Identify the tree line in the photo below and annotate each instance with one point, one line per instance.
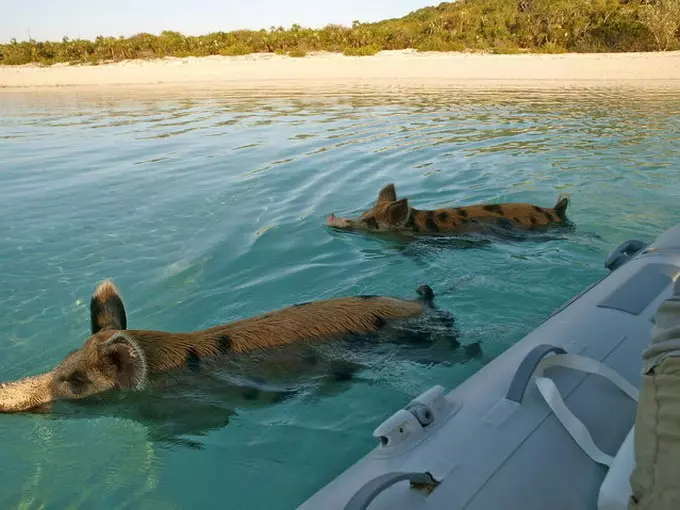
(498, 26)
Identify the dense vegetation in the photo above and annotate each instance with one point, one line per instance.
(500, 26)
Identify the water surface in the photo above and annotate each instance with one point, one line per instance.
(208, 207)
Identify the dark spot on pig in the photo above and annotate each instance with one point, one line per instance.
(549, 216)
(223, 344)
(494, 208)
(193, 360)
(462, 212)
(379, 322)
(430, 223)
(443, 216)
(516, 219)
(533, 220)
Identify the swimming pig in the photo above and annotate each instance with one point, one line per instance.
(392, 215)
(117, 358)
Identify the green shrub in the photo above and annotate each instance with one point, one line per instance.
(551, 47)
(361, 51)
(235, 50)
(506, 49)
(438, 44)
(297, 52)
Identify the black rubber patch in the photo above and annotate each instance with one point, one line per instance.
(640, 290)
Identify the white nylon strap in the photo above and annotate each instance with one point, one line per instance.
(576, 429)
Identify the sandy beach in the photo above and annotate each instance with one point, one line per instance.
(388, 68)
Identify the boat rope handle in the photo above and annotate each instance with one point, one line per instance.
(363, 497)
(576, 429)
(527, 368)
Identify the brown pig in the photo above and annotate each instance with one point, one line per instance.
(392, 215)
(117, 358)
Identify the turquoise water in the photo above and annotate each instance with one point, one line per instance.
(210, 207)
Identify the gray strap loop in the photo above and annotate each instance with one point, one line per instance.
(623, 253)
(370, 491)
(527, 368)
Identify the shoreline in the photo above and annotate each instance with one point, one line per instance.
(386, 70)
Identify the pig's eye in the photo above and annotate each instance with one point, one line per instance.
(370, 222)
(77, 380)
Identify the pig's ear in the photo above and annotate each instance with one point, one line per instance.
(387, 194)
(397, 213)
(126, 358)
(106, 308)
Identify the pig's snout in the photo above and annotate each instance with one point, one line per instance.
(334, 221)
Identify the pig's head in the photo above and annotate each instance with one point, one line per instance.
(388, 214)
(109, 359)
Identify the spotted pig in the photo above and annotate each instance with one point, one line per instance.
(390, 214)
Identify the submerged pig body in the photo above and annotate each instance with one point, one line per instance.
(392, 215)
(117, 358)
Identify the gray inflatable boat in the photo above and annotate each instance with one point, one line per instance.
(547, 425)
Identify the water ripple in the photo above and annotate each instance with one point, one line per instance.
(211, 207)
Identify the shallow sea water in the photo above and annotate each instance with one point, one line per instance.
(209, 206)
